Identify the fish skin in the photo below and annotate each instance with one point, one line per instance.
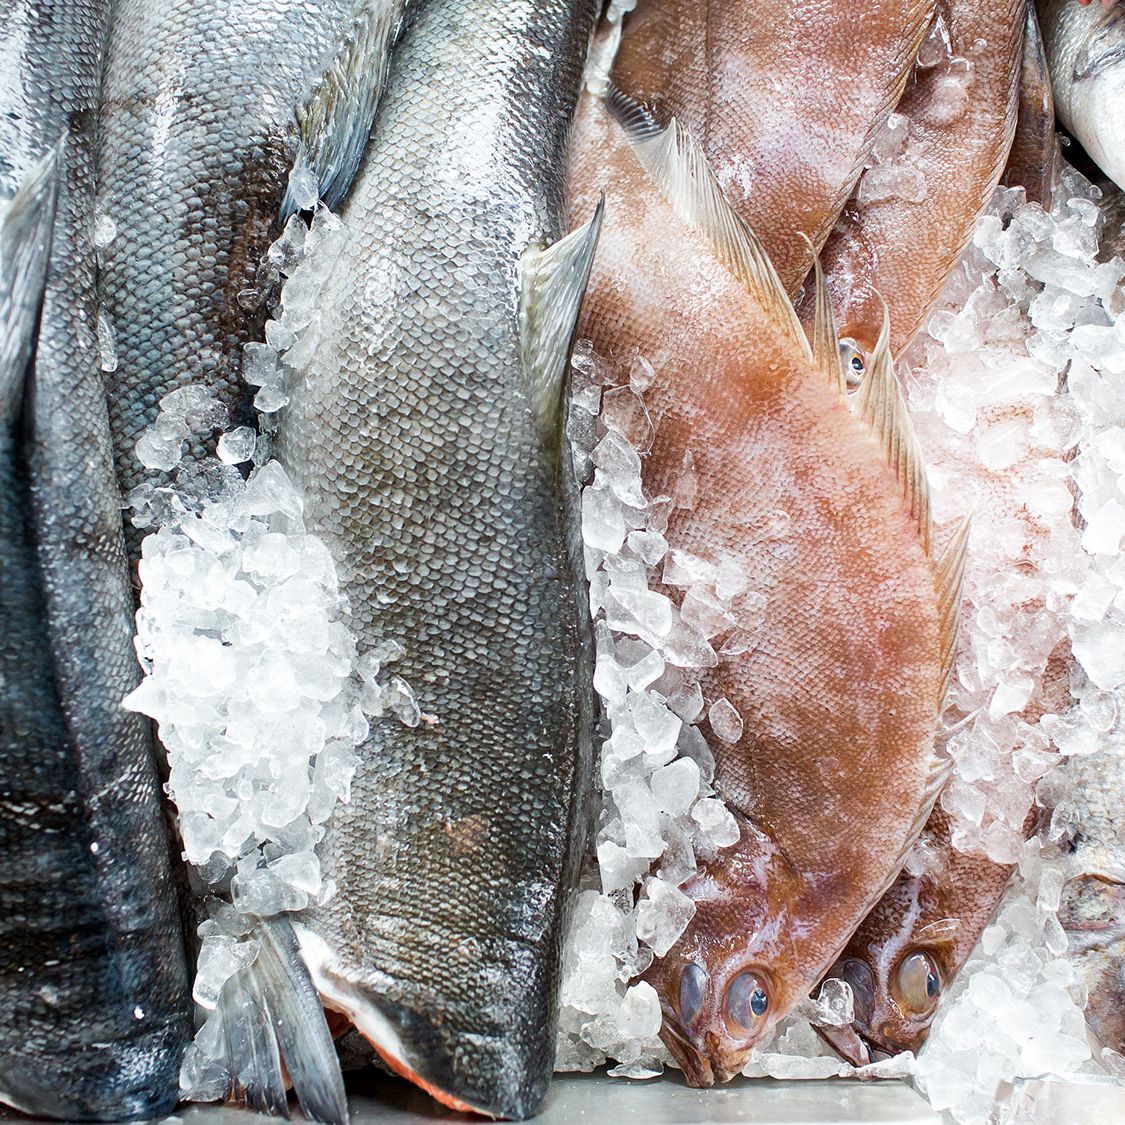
(90, 930)
(1031, 162)
(901, 251)
(197, 136)
(415, 439)
(1085, 792)
(827, 786)
(728, 71)
(1085, 48)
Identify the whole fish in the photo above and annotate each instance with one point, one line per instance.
(1086, 57)
(1031, 162)
(93, 974)
(914, 210)
(425, 437)
(206, 109)
(785, 146)
(835, 770)
(1086, 792)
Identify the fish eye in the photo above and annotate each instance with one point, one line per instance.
(919, 982)
(747, 1001)
(855, 362)
(693, 984)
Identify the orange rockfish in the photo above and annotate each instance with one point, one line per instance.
(939, 160)
(831, 770)
(786, 147)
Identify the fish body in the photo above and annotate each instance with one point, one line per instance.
(785, 146)
(1031, 162)
(425, 439)
(913, 211)
(1086, 792)
(1085, 48)
(839, 689)
(205, 110)
(93, 974)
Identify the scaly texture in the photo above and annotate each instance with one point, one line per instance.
(1086, 57)
(839, 683)
(1031, 162)
(198, 133)
(416, 439)
(914, 210)
(759, 85)
(93, 979)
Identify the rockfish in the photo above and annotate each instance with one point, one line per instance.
(426, 438)
(785, 143)
(840, 685)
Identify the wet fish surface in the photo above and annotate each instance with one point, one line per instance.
(1085, 48)
(425, 437)
(93, 974)
(913, 212)
(786, 147)
(823, 829)
(206, 109)
(1031, 162)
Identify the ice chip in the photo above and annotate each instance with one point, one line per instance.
(237, 446)
(725, 720)
(663, 914)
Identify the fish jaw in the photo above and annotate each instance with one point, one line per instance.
(733, 949)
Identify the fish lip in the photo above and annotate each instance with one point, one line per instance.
(697, 1069)
(847, 1042)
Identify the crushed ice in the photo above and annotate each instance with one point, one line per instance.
(250, 671)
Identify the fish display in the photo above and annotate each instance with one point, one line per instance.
(913, 211)
(205, 112)
(93, 970)
(1085, 47)
(1031, 161)
(736, 385)
(729, 74)
(425, 435)
(1086, 794)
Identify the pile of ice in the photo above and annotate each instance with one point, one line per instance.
(657, 808)
(251, 672)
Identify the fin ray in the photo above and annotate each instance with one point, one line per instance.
(949, 578)
(825, 337)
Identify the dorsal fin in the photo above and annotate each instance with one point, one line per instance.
(336, 119)
(949, 578)
(881, 405)
(553, 284)
(679, 169)
(825, 338)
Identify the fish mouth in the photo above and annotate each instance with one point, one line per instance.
(847, 1042)
(697, 1068)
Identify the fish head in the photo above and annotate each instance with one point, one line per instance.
(721, 987)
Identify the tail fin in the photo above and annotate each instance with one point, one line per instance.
(272, 1013)
(26, 222)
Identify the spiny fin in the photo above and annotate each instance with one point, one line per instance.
(553, 283)
(825, 338)
(880, 404)
(949, 578)
(336, 119)
(26, 223)
(271, 1011)
(679, 169)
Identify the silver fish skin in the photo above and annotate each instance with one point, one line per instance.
(1086, 792)
(205, 110)
(425, 437)
(1085, 47)
(93, 973)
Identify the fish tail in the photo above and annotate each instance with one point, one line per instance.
(271, 1013)
(26, 223)
(338, 116)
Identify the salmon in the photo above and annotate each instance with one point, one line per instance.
(786, 147)
(914, 211)
(826, 510)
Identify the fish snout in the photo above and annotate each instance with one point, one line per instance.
(847, 1042)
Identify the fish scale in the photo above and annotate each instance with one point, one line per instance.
(93, 974)
(427, 450)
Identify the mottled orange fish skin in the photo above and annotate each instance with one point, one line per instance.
(759, 86)
(902, 250)
(1031, 162)
(840, 689)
